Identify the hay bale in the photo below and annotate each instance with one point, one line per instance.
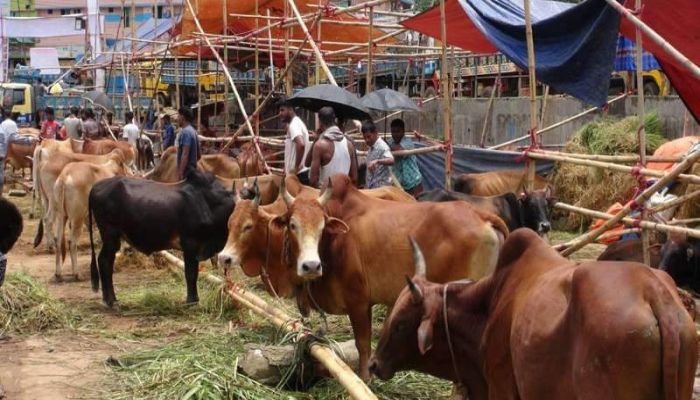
(130, 259)
(598, 188)
(27, 307)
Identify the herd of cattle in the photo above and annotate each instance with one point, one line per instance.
(490, 305)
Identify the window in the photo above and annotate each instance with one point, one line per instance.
(17, 96)
(65, 11)
(49, 11)
(110, 9)
(158, 12)
(77, 11)
(127, 20)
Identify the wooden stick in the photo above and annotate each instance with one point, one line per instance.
(312, 43)
(640, 199)
(615, 167)
(532, 80)
(676, 202)
(231, 82)
(684, 221)
(446, 97)
(488, 112)
(655, 226)
(340, 371)
(557, 125)
(656, 38)
(368, 83)
(403, 153)
(352, 48)
(607, 235)
(621, 158)
(225, 31)
(543, 110)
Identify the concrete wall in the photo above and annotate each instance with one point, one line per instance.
(510, 118)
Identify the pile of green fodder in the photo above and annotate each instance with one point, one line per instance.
(596, 188)
(26, 306)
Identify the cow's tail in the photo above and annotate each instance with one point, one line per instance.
(669, 324)
(39, 233)
(60, 215)
(94, 273)
(36, 196)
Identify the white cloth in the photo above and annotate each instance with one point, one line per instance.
(339, 163)
(131, 133)
(295, 129)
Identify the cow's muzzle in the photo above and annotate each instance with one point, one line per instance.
(376, 370)
(311, 269)
(544, 227)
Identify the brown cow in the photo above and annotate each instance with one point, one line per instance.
(105, 146)
(542, 327)
(218, 164)
(631, 250)
(71, 191)
(20, 156)
(267, 186)
(495, 183)
(47, 171)
(355, 236)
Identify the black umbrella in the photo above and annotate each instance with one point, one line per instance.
(99, 99)
(387, 100)
(345, 104)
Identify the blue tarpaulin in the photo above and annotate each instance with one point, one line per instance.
(468, 160)
(625, 60)
(573, 45)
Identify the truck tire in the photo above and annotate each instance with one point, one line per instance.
(651, 89)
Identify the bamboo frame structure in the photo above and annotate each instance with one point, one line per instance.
(356, 388)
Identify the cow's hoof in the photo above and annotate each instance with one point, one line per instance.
(192, 301)
(77, 277)
(57, 279)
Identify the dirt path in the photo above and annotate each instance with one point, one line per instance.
(63, 364)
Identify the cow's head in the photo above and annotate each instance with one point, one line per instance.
(680, 258)
(305, 222)
(536, 207)
(407, 334)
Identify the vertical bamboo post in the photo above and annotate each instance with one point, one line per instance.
(257, 64)
(269, 42)
(543, 109)
(312, 43)
(176, 63)
(368, 84)
(533, 90)
(641, 112)
(131, 60)
(199, 81)
(288, 77)
(446, 98)
(225, 32)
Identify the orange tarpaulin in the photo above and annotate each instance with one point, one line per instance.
(674, 148)
(210, 17)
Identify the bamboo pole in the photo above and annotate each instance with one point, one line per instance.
(532, 81)
(557, 125)
(488, 112)
(656, 38)
(446, 98)
(176, 64)
(607, 235)
(272, 64)
(676, 202)
(544, 104)
(615, 167)
(225, 32)
(359, 46)
(368, 83)
(257, 67)
(655, 226)
(620, 158)
(640, 199)
(231, 82)
(200, 100)
(400, 153)
(641, 132)
(288, 77)
(312, 43)
(356, 388)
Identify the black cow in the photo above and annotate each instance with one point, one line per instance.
(680, 258)
(153, 216)
(530, 210)
(10, 229)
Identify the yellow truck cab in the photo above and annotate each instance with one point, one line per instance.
(18, 97)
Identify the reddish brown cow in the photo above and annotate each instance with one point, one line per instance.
(631, 250)
(105, 146)
(220, 165)
(344, 245)
(20, 156)
(543, 327)
(495, 183)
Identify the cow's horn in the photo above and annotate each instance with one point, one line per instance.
(288, 198)
(416, 293)
(326, 194)
(418, 259)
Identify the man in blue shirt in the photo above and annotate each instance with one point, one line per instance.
(187, 145)
(168, 132)
(405, 167)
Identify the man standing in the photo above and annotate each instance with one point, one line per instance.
(379, 157)
(130, 132)
(38, 100)
(91, 130)
(332, 153)
(296, 144)
(9, 134)
(187, 145)
(73, 124)
(405, 167)
(168, 132)
(50, 128)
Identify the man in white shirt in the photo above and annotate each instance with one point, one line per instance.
(130, 132)
(296, 144)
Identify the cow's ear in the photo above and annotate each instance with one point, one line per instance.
(425, 335)
(279, 221)
(336, 226)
